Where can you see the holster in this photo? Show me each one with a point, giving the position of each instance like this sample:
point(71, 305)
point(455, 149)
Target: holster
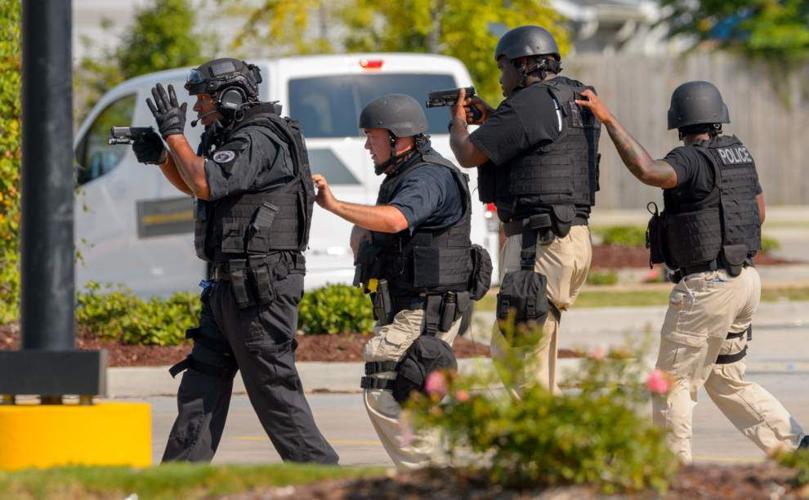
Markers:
point(734, 258)
point(252, 279)
point(382, 303)
point(654, 236)
point(367, 265)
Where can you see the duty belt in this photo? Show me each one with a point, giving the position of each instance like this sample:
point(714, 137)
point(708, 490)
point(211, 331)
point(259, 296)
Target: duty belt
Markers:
point(514, 227)
point(713, 265)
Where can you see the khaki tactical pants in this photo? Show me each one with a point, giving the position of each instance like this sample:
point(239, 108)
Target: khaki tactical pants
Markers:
point(565, 263)
point(407, 448)
point(703, 309)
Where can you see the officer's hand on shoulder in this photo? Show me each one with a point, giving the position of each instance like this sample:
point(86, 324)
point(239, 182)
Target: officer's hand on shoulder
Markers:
point(149, 148)
point(591, 101)
point(324, 196)
point(168, 113)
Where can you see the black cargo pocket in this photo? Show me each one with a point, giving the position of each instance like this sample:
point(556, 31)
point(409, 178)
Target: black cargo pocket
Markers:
point(481, 277)
point(522, 295)
point(734, 256)
point(232, 236)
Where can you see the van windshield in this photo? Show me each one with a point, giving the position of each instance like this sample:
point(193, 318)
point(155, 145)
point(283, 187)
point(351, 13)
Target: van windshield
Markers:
point(329, 106)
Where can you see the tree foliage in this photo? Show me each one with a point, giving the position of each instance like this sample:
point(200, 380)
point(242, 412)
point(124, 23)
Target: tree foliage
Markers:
point(466, 30)
point(161, 37)
point(9, 158)
point(770, 29)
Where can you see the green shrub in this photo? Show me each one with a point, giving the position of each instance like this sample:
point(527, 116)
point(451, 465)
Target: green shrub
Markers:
point(116, 313)
point(596, 435)
point(602, 278)
point(626, 236)
point(798, 460)
point(769, 245)
point(334, 309)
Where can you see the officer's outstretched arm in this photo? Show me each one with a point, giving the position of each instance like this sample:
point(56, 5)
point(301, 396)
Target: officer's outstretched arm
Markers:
point(467, 154)
point(649, 171)
point(170, 172)
point(380, 218)
point(190, 166)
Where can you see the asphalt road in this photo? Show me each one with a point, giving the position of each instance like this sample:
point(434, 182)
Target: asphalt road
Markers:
point(343, 420)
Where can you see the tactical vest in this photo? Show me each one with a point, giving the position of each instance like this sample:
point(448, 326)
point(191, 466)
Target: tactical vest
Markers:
point(558, 175)
point(430, 259)
point(723, 226)
point(256, 223)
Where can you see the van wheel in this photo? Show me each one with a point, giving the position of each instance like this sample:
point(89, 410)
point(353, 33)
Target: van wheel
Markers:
point(466, 319)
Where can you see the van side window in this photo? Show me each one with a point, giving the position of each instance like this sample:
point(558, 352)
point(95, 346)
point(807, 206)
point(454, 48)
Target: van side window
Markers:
point(94, 155)
point(329, 106)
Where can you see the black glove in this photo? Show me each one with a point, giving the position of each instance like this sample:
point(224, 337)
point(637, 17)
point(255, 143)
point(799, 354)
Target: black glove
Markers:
point(168, 114)
point(149, 148)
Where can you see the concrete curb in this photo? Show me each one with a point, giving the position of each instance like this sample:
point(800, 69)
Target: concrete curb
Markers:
point(142, 382)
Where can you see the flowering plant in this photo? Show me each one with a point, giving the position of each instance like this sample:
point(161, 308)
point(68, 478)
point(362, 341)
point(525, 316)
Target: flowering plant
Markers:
point(597, 432)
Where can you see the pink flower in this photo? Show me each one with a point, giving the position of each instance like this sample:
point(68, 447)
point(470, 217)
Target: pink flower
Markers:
point(658, 382)
point(461, 395)
point(599, 353)
point(436, 384)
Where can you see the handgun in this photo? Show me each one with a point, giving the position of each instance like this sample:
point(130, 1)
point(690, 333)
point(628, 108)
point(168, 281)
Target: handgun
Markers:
point(449, 97)
point(127, 135)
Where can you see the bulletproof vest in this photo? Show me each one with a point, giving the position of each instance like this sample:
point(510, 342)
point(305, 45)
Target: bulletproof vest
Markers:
point(255, 223)
point(430, 259)
point(563, 173)
point(725, 224)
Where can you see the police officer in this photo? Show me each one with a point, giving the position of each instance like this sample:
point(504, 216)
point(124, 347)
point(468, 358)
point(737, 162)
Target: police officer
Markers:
point(413, 254)
point(250, 178)
point(709, 232)
point(537, 159)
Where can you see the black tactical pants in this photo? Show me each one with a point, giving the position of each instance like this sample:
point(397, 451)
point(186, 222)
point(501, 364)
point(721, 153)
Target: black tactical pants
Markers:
point(259, 341)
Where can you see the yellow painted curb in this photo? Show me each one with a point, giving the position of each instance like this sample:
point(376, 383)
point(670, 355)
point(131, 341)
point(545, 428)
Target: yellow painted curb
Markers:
point(33, 435)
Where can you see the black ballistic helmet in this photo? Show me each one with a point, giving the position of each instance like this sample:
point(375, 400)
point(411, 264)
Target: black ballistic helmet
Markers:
point(400, 114)
point(697, 103)
point(219, 74)
point(526, 41)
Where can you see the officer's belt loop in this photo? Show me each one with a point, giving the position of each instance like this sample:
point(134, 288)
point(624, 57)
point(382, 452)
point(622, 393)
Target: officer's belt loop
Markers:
point(432, 314)
point(726, 359)
point(376, 383)
point(374, 367)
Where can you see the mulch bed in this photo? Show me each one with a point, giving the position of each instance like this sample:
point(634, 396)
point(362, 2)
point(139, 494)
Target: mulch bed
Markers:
point(617, 257)
point(310, 348)
point(707, 481)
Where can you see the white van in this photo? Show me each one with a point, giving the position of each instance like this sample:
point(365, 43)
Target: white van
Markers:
point(133, 227)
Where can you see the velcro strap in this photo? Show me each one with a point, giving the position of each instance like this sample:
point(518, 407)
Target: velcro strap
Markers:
point(189, 363)
point(376, 383)
point(726, 359)
point(215, 345)
point(432, 314)
point(738, 335)
point(380, 366)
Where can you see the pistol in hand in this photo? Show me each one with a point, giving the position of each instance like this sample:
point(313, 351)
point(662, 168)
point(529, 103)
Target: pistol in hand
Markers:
point(449, 97)
point(128, 135)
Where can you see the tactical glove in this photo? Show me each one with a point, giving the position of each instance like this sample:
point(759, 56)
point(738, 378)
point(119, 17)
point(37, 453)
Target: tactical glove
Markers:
point(168, 114)
point(149, 148)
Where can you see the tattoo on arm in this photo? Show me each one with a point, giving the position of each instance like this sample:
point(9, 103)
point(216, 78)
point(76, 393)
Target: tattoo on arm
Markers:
point(638, 160)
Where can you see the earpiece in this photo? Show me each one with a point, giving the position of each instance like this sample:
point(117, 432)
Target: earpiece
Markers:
point(232, 99)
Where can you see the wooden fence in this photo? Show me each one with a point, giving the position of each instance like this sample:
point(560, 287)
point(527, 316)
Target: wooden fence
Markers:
point(769, 113)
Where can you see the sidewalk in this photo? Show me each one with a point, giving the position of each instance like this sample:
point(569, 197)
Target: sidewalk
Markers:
point(780, 345)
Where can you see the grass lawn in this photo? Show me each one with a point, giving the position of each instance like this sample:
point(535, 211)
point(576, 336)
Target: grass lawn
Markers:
point(649, 296)
point(166, 481)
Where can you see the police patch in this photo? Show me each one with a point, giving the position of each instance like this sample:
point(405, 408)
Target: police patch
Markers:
point(224, 157)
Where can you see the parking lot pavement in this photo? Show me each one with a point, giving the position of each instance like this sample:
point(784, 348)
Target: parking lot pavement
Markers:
point(343, 420)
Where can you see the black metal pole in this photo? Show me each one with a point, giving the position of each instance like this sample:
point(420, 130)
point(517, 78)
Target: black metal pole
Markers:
point(47, 252)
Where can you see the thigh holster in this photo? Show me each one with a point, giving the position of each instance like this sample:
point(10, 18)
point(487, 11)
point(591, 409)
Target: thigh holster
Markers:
point(726, 359)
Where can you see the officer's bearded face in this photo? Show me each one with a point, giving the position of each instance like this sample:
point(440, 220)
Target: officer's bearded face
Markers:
point(205, 107)
point(509, 76)
point(377, 142)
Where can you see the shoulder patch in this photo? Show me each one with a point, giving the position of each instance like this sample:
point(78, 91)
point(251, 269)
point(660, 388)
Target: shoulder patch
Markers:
point(225, 156)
